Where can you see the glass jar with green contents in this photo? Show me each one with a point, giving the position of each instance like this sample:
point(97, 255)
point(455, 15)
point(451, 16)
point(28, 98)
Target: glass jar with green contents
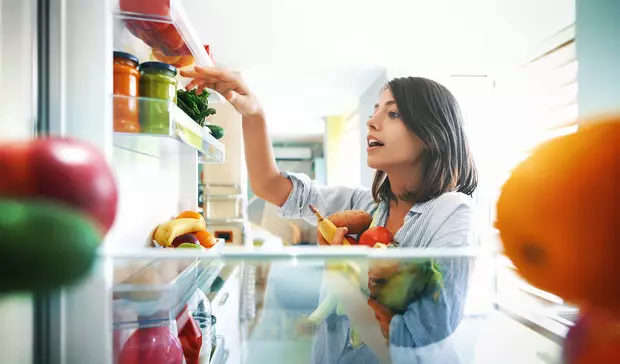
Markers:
point(157, 81)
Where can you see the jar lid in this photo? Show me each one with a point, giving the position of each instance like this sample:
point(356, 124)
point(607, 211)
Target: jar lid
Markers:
point(127, 56)
point(159, 66)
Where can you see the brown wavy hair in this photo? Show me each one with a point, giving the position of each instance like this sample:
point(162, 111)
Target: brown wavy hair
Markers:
point(430, 111)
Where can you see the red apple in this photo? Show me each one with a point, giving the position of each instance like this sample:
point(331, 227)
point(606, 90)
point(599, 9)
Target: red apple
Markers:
point(154, 345)
point(186, 238)
point(63, 170)
point(374, 235)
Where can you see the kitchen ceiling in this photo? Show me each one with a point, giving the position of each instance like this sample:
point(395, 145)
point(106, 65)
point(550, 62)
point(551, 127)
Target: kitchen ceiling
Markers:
point(306, 60)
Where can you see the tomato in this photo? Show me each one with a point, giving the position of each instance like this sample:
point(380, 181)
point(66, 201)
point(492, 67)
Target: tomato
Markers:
point(377, 234)
point(171, 42)
point(62, 170)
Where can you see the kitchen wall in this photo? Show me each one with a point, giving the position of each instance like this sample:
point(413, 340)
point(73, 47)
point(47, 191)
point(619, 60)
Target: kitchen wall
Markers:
point(598, 54)
point(342, 146)
point(365, 108)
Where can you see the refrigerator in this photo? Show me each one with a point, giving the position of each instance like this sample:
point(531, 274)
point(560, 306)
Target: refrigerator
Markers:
point(56, 72)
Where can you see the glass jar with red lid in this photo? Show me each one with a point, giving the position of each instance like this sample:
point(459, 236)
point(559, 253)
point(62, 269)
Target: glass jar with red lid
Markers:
point(126, 83)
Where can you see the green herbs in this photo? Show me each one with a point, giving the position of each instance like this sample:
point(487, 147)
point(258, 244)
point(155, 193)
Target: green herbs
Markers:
point(196, 106)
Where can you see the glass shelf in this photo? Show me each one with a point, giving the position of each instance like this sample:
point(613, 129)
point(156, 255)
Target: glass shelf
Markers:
point(148, 291)
point(166, 130)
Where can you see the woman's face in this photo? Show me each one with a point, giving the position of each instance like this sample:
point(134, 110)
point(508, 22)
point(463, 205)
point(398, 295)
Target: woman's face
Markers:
point(389, 143)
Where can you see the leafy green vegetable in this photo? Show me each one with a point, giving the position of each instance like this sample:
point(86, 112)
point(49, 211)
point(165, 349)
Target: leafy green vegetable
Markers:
point(196, 106)
point(216, 130)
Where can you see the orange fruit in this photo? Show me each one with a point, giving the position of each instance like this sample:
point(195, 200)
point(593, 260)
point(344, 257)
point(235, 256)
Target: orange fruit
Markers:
point(184, 61)
point(206, 239)
point(160, 56)
point(189, 214)
point(558, 215)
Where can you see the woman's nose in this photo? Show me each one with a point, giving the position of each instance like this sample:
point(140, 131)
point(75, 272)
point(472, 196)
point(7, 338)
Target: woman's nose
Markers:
point(372, 123)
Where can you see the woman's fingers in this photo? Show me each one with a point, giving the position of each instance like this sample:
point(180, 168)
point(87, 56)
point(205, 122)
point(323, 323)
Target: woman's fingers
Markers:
point(223, 79)
point(339, 237)
point(194, 84)
point(204, 72)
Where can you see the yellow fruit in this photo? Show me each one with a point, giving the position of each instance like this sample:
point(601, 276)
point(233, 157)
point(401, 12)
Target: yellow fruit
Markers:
point(166, 233)
point(326, 227)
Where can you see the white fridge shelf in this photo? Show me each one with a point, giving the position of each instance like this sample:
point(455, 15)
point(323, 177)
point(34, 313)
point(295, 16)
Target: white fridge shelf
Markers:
point(165, 130)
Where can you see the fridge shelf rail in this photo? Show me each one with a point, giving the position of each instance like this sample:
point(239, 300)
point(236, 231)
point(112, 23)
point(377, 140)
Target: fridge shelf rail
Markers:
point(147, 292)
point(165, 130)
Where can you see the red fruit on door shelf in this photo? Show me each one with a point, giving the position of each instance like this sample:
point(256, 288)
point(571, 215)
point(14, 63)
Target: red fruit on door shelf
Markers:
point(153, 345)
point(374, 235)
point(63, 170)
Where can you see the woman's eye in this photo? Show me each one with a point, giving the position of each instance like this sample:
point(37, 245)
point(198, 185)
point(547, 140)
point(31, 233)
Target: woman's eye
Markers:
point(393, 115)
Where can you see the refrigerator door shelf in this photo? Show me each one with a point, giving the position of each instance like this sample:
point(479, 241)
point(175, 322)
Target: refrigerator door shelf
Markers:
point(180, 136)
point(149, 291)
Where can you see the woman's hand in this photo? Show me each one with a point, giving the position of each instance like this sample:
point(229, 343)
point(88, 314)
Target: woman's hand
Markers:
point(338, 238)
point(228, 83)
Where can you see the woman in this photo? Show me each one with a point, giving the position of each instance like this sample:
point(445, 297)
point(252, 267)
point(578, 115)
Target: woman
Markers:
point(425, 173)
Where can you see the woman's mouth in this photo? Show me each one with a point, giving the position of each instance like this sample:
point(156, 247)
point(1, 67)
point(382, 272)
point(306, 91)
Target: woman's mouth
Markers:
point(373, 144)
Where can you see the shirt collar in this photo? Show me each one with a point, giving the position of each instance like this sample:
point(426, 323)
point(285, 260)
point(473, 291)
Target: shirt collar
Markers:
point(418, 208)
point(421, 207)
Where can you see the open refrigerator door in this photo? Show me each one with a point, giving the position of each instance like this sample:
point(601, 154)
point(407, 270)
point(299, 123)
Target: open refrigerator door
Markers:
point(155, 164)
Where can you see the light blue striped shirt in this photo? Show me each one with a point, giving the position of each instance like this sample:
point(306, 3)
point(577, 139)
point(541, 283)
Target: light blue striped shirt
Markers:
point(445, 221)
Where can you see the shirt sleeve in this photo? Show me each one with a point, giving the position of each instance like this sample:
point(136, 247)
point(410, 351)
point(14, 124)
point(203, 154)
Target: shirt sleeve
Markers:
point(327, 199)
point(427, 320)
